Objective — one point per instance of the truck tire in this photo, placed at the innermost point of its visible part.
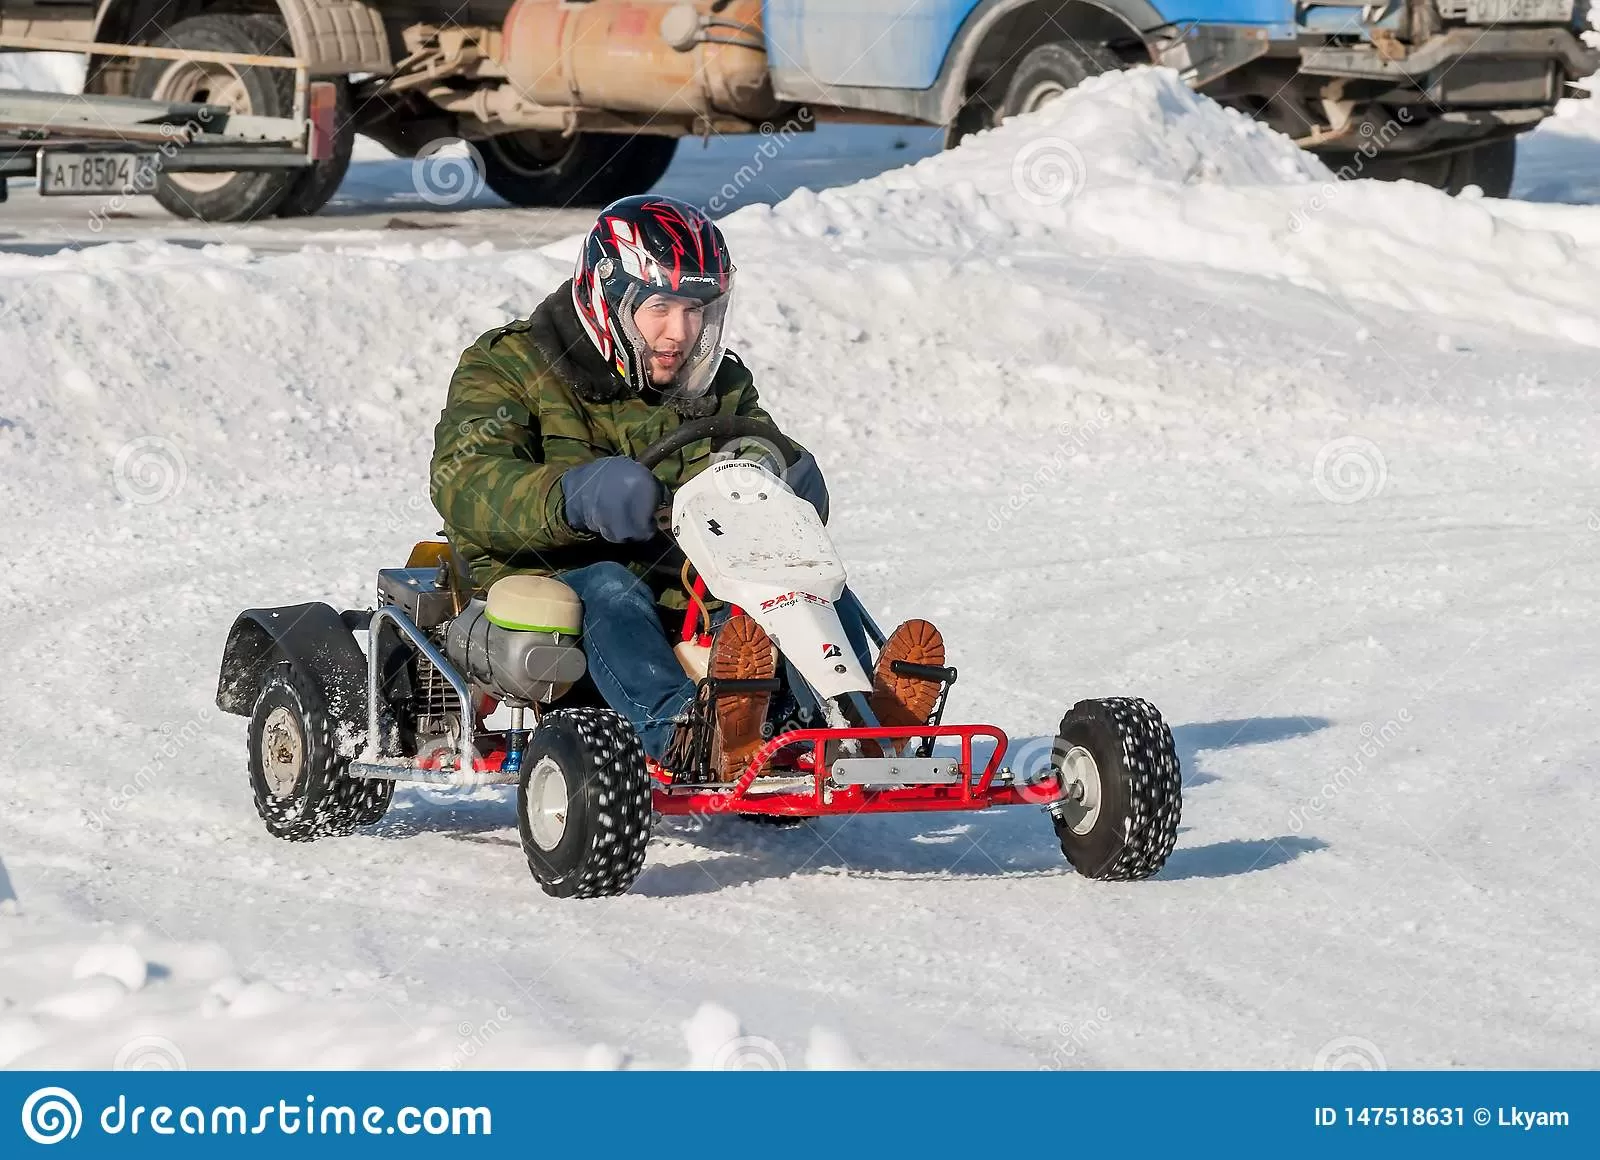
(311, 187)
(1045, 72)
(587, 169)
(266, 92)
(1491, 166)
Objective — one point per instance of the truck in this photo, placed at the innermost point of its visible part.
(578, 102)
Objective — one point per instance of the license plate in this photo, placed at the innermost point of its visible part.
(64, 174)
(1519, 11)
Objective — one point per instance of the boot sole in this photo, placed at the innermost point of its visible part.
(744, 652)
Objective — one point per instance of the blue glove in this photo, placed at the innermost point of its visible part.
(616, 498)
(805, 480)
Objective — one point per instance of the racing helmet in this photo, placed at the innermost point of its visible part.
(639, 247)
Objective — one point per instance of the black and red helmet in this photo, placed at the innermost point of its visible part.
(647, 245)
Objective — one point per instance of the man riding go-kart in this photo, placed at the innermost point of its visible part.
(593, 482)
(533, 472)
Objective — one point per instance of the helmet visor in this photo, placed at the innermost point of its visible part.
(676, 334)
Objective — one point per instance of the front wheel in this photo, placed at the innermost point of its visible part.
(584, 804)
(1119, 820)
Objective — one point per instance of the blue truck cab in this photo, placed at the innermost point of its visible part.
(1444, 85)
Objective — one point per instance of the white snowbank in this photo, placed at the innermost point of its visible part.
(1129, 433)
(1135, 163)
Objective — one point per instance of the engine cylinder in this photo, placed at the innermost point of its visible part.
(522, 642)
(615, 54)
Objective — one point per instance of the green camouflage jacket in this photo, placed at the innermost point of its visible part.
(529, 400)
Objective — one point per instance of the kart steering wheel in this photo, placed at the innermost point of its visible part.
(718, 427)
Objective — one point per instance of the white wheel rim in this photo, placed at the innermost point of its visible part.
(1079, 765)
(1042, 93)
(211, 84)
(547, 804)
(282, 752)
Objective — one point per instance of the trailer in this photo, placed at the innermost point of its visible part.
(99, 144)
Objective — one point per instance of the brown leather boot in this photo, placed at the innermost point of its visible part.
(741, 651)
(900, 700)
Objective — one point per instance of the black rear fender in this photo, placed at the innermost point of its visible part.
(314, 638)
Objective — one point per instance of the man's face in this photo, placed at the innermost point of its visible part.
(670, 327)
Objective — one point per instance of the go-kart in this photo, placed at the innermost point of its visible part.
(333, 725)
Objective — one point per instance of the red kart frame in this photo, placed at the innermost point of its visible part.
(966, 794)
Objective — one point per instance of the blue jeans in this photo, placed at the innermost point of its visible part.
(630, 657)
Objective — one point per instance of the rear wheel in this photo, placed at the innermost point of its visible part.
(586, 169)
(1044, 73)
(1491, 166)
(584, 804)
(1125, 791)
(301, 783)
(260, 91)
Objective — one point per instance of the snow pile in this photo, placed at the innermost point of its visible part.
(1133, 163)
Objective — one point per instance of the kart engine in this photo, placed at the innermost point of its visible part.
(521, 643)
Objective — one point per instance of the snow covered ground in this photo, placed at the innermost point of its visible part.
(1123, 395)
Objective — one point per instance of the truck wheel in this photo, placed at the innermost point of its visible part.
(1041, 75)
(586, 169)
(1491, 166)
(265, 92)
(302, 789)
(311, 187)
(1124, 822)
(583, 804)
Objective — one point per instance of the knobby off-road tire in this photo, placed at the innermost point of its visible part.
(301, 783)
(583, 804)
(1127, 823)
